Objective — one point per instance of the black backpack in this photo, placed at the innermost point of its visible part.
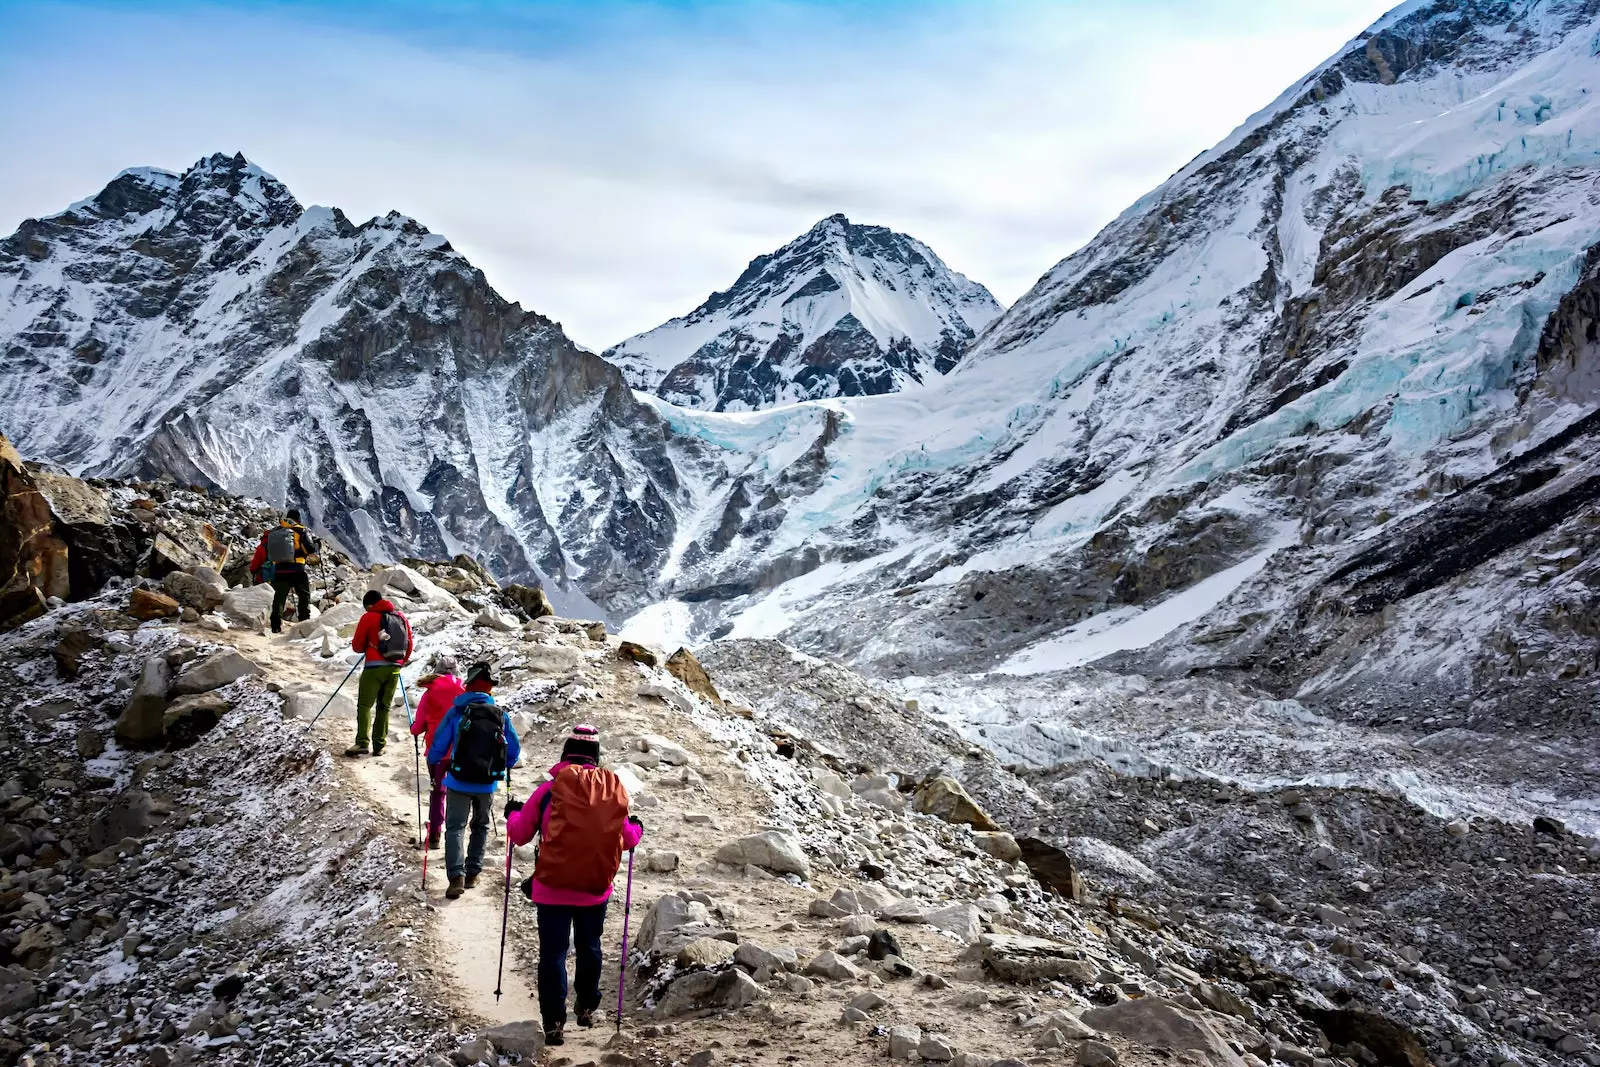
(392, 637)
(480, 752)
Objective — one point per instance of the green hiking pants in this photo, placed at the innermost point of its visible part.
(372, 705)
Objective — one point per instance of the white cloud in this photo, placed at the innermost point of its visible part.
(616, 176)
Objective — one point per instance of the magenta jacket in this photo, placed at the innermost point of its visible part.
(522, 826)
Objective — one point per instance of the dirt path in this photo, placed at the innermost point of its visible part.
(465, 936)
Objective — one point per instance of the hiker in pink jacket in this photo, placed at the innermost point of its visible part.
(581, 817)
(440, 688)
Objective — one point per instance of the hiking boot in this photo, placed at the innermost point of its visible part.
(457, 887)
(355, 751)
(377, 752)
(553, 1035)
(433, 841)
(472, 881)
(586, 1018)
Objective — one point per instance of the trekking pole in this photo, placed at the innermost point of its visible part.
(331, 695)
(416, 764)
(622, 964)
(505, 903)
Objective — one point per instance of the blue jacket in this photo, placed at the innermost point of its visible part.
(444, 742)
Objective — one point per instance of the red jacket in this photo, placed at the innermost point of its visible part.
(367, 630)
(437, 696)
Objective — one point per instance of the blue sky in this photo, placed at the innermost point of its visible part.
(610, 164)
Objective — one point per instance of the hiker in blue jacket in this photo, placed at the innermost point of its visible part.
(477, 738)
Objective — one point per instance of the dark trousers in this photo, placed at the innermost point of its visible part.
(460, 809)
(436, 772)
(298, 583)
(559, 925)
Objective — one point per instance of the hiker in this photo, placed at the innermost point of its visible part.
(280, 559)
(440, 687)
(480, 745)
(384, 636)
(581, 817)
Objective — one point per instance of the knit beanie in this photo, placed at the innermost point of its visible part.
(583, 746)
(444, 663)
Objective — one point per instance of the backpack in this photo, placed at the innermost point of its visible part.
(283, 544)
(392, 637)
(479, 756)
(582, 838)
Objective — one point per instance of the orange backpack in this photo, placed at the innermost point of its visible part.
(581, 847)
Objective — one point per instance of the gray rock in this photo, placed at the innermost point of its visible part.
(496, 618)
(661, 862)
(999, 844)
(965, 921)
(936, 1048)
(705, 952)
(1096, 1054)
(753, 957)
(702, 990)
(853, 1015)
(1018, 958)
(834, 967)
(249, 607)
(903, 1042)
(214, 672)
(140, 722)
(525, 1039)
(868, 1001)
(1160, 1023)
(673, 922)
(194, 592)
(774, 850)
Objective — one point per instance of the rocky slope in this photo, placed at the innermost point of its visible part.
(807, 889)
(206, 326)
(842, 310)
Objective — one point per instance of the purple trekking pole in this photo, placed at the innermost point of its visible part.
(627, 913)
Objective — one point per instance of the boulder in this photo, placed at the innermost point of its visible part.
(936, 1048)
(904, 1042)
(72, 644)
(183, 543)
(752, 957)
(774, 850)
(99, 546)
(214, 672)
(190, 716)
(999, 844)
(705, 952)
(195, 592)
(141, 722)
(946, 798)
(673, 922)
(683, 666)
(1019, 958)
(249, 607)
(1096, 1054)
(17, 991)
(1389, 1040)
(525, 1039)
(671, 694)
(340, 615)
(1159, 1023)
(701, 990)
(33, 558)
(834, 967)
(130, 813)
(632, 650)
(670, 751)
(530, 600)
(146, 604)
(1052, 867)
(964, 921)
(496, 618)
(409, 583)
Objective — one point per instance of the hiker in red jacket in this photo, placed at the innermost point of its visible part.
(440, 687)
(384, 636)
(581, 817)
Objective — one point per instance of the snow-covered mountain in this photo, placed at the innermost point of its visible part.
(842, 310)
(204, 325)
(1288, 417)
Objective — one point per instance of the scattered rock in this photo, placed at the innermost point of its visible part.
(1159, 1023)
(774, 850)
(661, 862)
(525, 1039)
(214, 672)
(249, 607)
(496, 618)
(881, 944)
(705, 952)
(145, 604)
(141, 721)
(949, 800)
(1019, 958)
(834, 967)
(965, 921)
(1096, 1054)
(683, 666)
(638, 653)
(904, 1042)
(999, 844)
(1052, 867)
(530, 600)
(193, 591)
(936, 1048)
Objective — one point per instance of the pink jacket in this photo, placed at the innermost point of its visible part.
(525, 822)
(437, 696)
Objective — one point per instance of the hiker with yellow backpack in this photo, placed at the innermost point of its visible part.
(581, 818)
(280, 558)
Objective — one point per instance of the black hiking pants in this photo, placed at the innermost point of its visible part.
(282, 585)
(559, 926)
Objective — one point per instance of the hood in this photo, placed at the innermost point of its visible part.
(473, 697)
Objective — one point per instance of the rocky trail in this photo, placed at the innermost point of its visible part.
(829, 874)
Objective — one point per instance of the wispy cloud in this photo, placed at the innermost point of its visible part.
(610, 164)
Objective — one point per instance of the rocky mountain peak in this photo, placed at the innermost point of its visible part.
(843, 309)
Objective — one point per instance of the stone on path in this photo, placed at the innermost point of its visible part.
(1159, 1023)
(525, 1039)
(904, 1042)
(774, 850)
(145, 604)
(214, 672)
(1020, 958)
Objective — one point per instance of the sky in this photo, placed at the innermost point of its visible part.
(611, 164)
